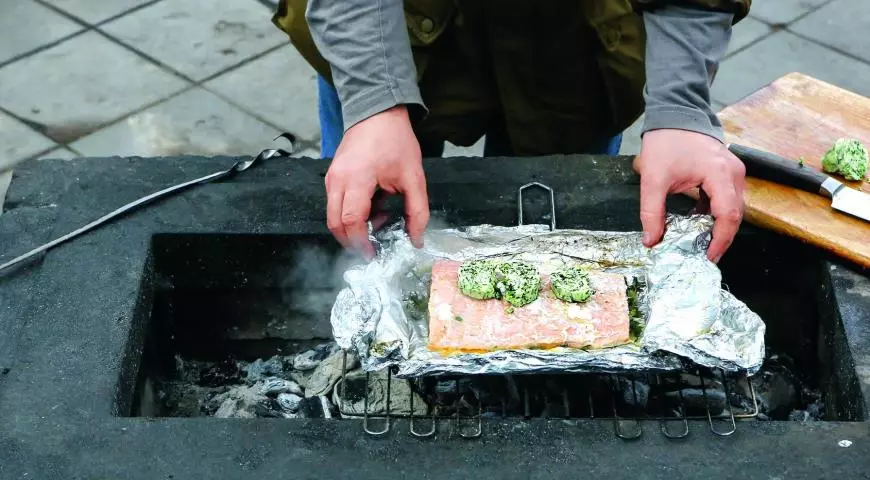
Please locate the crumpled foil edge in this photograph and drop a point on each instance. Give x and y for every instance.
(688, 318)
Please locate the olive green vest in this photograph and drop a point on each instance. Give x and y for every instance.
(555, 76)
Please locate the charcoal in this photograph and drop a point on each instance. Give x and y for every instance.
(220, 373)
(696, 401)
(268, 410)
(289, 402)
(316, 407)
(274, 386)
(778, 388)
(312, 358)
(185, 399)
(273, 367)
(632, 392)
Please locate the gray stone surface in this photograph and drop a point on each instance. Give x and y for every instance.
(67, 320)
(842, 24)
(194, 122)
(5, 180)
(631, 138)
(746, 32)
(27, 25)
(18, 141)
(280, 87)
(69, 94)
(475, 150)
(93, 11)
(783, 11)
(194, 37)
(782, 53)
(62, 89)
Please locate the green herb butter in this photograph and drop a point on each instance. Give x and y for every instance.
(571, 284)
(848, 157)
(477, 279)
(517, 282)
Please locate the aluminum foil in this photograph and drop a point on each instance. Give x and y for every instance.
(684, 315)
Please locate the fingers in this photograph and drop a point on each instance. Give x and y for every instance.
(727, 210)
(334, 201)
(702, 207)
(355, 210)
(416, 206)
(347, 211)
(653, 193)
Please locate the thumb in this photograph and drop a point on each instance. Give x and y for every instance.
(416, 207)
(653, 193)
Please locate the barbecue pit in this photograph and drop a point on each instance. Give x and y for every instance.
(211, 282)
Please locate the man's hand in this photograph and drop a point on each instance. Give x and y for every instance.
(676, 161)
(380, 151)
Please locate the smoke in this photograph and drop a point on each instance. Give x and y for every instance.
(315, 278)
(316, 273)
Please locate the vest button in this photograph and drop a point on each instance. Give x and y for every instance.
(427, 26)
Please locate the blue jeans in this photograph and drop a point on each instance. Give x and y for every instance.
(332, 126)
(331, 122)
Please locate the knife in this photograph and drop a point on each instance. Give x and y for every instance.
(772, 167)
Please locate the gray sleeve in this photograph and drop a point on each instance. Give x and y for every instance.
(367, 46)
(684, 48)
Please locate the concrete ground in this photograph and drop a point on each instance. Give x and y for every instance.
(163, 77)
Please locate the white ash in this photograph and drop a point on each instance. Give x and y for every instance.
(239, 402)
(312, 358)
(261, 388)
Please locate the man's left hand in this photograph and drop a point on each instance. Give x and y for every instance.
(676, 161)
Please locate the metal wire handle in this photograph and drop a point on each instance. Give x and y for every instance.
(235, 169)
(552, 203)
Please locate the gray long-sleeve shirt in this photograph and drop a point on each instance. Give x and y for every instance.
(367, 45)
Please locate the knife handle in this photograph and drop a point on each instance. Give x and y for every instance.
(771, 167)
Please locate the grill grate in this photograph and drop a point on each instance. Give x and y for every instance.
(467, 419)
(581, 397)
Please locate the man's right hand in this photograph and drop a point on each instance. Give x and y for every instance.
(380, 151)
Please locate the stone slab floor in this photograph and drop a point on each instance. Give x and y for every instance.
(164, 77)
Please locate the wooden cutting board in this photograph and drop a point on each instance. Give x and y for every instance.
(799, 116)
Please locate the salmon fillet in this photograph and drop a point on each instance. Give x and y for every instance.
(460, 323)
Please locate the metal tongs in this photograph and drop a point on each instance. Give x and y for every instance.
(227, 174)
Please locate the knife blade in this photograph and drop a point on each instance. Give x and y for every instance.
(774, 168)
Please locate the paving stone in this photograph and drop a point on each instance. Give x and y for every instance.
(198, 37)
(746, 32)
(59, 154)
(631, 138)
(197, 122)
(842, 24)
(475, 150)
(27, 25)
(5, 180)
(307, 153)
(783, 11)
(280, 87)
(94, 11)
(782, 53)
(69, 89)
(18, 141)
